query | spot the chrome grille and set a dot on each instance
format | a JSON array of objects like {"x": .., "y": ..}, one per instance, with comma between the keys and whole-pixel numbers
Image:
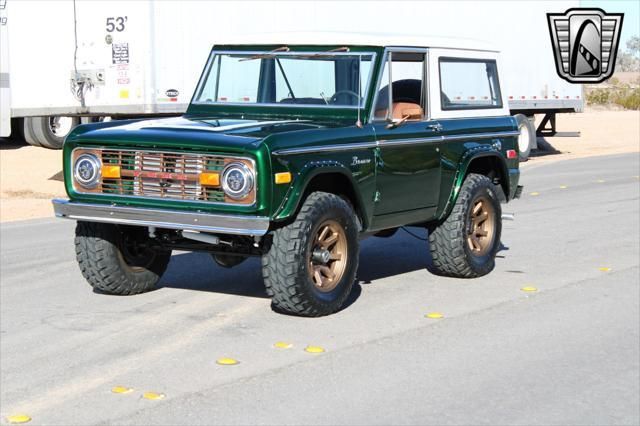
[{"x": 161, "y": 175}]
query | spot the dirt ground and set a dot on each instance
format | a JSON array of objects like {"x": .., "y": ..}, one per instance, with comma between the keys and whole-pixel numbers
[
  {"x": 30, "y": 177},
  {"x": 602, "y": 132}
]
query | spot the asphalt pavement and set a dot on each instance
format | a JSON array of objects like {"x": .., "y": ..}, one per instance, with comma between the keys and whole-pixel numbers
[{"x": 566, "y": 354}]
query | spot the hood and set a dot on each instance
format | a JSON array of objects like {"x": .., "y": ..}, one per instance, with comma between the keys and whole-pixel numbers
[{"x": 235, "y": 135}]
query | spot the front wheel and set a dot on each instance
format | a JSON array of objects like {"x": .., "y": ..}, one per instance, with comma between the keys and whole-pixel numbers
[
  {"x": 117, "y": 259},
  {"x": 311, "y": 264},
  {"x": 466, "y": 243}
]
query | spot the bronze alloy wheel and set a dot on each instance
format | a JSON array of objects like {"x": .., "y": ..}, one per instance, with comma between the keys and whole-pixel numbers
[
  {"x": 482, "y": 226},
  {"x": 328, "y": 256},
  {"x": 310, "y": 268}
]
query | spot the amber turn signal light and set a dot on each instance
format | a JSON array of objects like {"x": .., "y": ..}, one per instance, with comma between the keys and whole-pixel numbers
[
  {"x": 210, "y": 179},
  {"x": 284, "y": 177},
  {"x": 111, "y": 172}
]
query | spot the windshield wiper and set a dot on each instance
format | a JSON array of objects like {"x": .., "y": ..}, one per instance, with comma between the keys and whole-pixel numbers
[
  {"x": 267, "y": 55},
  {"x": 327, "y": 54}
]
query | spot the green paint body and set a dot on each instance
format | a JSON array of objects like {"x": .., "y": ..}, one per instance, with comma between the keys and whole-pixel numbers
[{"x": 393, "y": 185}]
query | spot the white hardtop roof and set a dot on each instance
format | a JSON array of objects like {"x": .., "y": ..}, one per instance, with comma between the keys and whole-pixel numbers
[{"x": 354, "y": 39}]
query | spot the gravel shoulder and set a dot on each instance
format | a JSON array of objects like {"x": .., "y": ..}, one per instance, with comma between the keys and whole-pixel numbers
[{"x": 30, "y": 177}]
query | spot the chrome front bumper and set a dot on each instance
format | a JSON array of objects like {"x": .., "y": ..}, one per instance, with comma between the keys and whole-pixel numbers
[{"x": 168, "y": 219}]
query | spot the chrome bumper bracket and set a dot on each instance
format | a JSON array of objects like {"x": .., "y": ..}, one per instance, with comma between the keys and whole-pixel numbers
[{"x": 160, "y": 218}]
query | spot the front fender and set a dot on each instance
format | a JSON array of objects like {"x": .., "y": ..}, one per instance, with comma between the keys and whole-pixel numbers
[
  {"x": 294, "y": 196},
  {"x": 467, "y": 158}
]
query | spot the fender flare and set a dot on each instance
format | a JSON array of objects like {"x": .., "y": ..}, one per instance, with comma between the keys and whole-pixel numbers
[
  {"x": 465, "y": 161},
  {"x": 293, "y": 198}
]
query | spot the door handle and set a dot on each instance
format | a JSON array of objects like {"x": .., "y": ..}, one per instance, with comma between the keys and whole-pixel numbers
[{"x": 435, "y": 127}]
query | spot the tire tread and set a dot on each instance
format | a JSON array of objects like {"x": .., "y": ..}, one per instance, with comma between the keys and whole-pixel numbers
[
  {"x": 100, "y": 263},
  {"x": 447, "y": 241},
  {"x": 283, "y": 267}
]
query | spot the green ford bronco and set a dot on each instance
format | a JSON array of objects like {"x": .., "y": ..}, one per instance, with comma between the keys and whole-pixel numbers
[{"x": 294, "y": 151}]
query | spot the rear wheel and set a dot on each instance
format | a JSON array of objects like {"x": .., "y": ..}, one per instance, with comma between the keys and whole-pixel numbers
[
  {"x": 48, "y": 131},
  {"x": 466, "y": 243},
  {"x": 311, "y": 264},
  {"x": 117, "y": 259}
]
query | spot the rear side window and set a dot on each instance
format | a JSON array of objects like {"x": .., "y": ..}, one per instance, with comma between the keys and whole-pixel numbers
[{"x": 469, "y": 84}]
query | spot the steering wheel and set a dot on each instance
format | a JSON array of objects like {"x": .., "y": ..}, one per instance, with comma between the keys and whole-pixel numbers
[{"x": 334, "y": 97}]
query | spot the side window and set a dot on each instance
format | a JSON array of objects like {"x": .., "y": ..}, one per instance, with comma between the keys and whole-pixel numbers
[
  {"x": 405, "y": 88},
  {"x": 469, "y": 84}
]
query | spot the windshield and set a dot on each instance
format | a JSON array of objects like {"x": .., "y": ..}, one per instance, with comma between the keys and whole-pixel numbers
[{"x": 322, "y": 79}]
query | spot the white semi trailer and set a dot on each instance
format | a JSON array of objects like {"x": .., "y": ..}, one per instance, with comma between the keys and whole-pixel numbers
[{"x": 63, "y": 61}]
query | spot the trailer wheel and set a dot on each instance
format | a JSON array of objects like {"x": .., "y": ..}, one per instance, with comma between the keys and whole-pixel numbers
[
  {"x": 527, "y": 136},
  {"x": 27, "y": 133},
  {"x": 48, "y": 131}
]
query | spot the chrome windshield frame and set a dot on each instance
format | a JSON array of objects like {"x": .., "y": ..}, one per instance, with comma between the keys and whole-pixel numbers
[{"x": 205, "y": 75}]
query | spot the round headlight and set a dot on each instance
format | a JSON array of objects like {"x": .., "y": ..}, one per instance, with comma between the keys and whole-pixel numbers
[
  {"x": 86, "y": 170},
  {"x": 237, "y": 180}
]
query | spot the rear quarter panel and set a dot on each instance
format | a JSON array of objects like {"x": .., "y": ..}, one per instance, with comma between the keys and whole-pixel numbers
[{"x": 457, "y": 155}]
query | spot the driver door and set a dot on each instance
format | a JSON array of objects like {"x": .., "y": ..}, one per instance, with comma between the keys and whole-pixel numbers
[{"x": 408, "y": 157}]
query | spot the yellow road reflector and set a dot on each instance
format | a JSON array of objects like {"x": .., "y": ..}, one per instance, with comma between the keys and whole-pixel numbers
[
  {"x": 434, "y": 315},
  {"x": 19, "y": 418},
  {"x": 121, "y": 389},
  {"x": 153, "y": 395},
  {"x": 529, "y": 289},
  {"x": 282, "y": 345},
  {"x": 210, "y": 179},
  {"x": 111, "y": 172},
  {"x": 600, "y": 181},
  {"x": 604, "y": 269},
  {"x": 226, "y": 361},
  {"x": 284, "y": 177},
  {"x": 314, "y": 349},
  {"x": 534, "y": 194},
  {"x": 563, "y": 186}
]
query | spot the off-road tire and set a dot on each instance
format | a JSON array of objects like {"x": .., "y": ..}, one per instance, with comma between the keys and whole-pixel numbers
[
  {"x": 99, "y": 252},
  {"x": 285, "y": 268},
  {"x": 448, "y": 242}
]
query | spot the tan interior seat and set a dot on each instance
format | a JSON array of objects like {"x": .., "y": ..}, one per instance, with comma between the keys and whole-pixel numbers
[{"x": 401, "y": 110}]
